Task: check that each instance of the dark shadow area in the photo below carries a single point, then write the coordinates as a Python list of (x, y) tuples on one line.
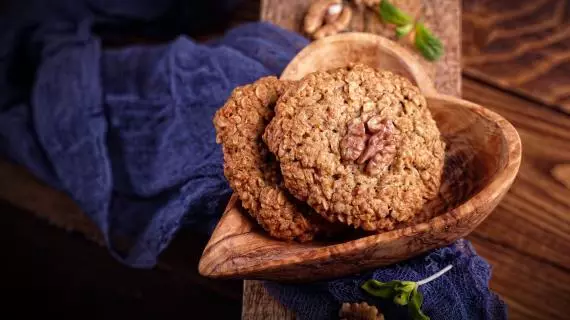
[(47, 271)]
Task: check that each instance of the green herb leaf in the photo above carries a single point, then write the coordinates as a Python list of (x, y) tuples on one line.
[(402, 31), (428, 44), (404, 291), (407, 286), (380, 289), (402, 298), (399, 291), (391, 14), (415, 305)]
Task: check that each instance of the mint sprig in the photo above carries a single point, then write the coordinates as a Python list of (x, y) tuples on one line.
[(425, 41), (430, 46), (403, 292), (402, 31), (392, 14), (415, 305)]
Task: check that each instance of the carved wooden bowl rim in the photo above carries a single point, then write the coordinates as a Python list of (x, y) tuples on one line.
[(408, 61), (491, 192)]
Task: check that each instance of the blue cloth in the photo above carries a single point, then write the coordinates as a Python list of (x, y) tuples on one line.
[(461, 293), (127, 132)]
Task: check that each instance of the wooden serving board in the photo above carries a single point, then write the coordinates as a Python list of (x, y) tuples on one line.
[(444, 19)]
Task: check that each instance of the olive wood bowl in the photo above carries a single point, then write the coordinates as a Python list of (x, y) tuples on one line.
[(482, 159)]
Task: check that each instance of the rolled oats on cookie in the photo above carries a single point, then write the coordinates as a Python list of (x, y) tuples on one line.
[(252, 171), (358, 145)]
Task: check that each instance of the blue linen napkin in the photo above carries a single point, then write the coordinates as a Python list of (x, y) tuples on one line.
[(461, 293), (127, 133)]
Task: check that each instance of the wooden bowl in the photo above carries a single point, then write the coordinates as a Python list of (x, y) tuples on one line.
[(482, 159)]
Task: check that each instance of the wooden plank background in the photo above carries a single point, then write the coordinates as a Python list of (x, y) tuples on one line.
[(527, 238), (520, 46)]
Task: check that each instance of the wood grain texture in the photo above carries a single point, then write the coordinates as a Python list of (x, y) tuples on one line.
[(359, 47), (482, 159), (442, 16), (522, 46), (258, 304), (527, 238), (20, 188)]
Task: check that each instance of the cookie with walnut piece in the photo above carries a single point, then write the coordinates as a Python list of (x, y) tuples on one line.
[(358, 145), (251, 169)]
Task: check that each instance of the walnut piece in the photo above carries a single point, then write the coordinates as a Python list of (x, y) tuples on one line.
[(374, 124), (359, 311), (352, 145), (333, 12), (381, 136), (373, 143), (327, 17), (380, 161), (316, 14)]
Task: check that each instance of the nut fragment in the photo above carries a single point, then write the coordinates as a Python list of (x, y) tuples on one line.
[(327, 17), (354, 142), (340, 24), (373, 143), (333, 12), (316, 14), (359, 311), (374, 124), (377, 141), (380, 161)]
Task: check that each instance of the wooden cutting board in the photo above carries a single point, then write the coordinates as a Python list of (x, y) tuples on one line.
[(443, 17)]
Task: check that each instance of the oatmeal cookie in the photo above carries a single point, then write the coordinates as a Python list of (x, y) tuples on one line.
[(359, 145), (252, 170)]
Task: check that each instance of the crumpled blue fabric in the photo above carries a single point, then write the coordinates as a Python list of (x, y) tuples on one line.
[(127, 132), (461, 293)]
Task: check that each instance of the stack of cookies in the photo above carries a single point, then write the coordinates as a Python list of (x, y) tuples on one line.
[(347, 148)]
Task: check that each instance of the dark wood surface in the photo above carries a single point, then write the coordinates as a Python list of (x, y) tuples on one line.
[(521, 46), (526, 239), (258, 304)]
